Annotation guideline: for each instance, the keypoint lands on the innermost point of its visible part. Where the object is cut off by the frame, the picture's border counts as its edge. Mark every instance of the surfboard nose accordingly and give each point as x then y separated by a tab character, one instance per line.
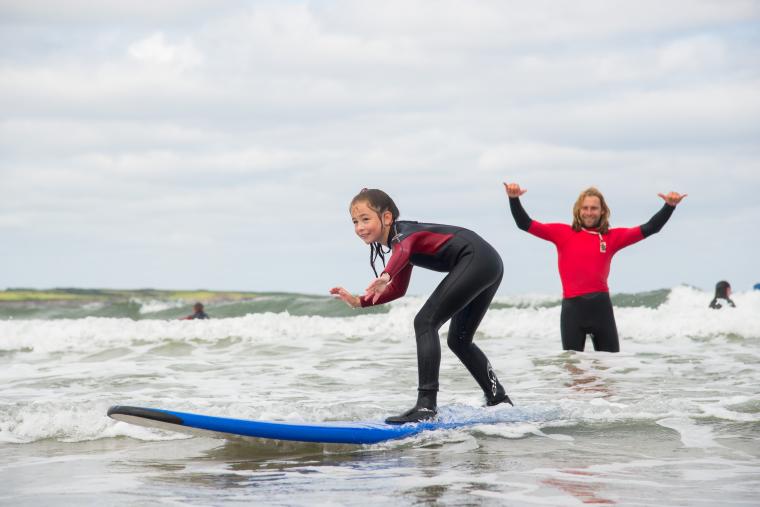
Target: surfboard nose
145	413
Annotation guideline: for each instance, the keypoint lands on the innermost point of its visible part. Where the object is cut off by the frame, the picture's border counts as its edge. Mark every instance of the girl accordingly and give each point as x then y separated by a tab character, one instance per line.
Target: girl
474	273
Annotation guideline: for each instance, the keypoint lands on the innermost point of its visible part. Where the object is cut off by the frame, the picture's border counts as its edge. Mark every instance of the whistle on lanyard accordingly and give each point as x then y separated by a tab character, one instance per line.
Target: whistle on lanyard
602	243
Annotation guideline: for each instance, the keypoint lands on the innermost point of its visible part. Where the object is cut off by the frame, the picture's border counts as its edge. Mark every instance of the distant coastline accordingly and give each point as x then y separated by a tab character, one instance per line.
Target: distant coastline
74	294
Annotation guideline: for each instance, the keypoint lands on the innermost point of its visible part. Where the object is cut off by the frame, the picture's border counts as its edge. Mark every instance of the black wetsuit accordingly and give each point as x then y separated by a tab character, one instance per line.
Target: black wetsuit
584	263
715	304
722	290
197	315
589	314
464	295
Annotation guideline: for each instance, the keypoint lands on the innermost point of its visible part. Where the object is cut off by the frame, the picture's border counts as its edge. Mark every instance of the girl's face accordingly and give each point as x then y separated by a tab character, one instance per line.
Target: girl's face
368	225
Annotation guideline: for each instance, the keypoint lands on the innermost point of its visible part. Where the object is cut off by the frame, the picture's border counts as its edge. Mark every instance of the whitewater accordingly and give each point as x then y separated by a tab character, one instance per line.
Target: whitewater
673	419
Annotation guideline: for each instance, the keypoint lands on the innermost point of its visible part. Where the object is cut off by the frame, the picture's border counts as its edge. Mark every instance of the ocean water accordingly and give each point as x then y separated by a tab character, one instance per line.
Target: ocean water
673	419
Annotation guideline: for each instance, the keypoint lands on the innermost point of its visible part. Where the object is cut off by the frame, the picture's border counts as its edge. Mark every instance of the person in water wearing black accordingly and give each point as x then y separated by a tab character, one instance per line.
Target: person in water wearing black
585	250
474	273
722	291
198	313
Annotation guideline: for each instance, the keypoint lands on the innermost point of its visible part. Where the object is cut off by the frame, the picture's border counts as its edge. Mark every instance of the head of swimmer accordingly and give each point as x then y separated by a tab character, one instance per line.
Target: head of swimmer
723	290
373	212
591	211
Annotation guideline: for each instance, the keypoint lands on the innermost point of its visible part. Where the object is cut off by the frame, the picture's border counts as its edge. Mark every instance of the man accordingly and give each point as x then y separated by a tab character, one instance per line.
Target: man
198	313
585	250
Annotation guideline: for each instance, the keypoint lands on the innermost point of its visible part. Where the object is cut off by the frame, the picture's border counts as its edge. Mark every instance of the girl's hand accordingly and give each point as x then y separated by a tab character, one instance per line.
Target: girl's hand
347	297
378	286
673	198
514	190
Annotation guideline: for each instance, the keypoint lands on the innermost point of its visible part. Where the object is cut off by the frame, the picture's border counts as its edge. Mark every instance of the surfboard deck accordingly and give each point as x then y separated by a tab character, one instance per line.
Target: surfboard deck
362	432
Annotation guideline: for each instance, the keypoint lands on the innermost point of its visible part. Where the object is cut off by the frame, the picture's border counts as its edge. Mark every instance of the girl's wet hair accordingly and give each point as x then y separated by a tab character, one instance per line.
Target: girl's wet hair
604	220
379	202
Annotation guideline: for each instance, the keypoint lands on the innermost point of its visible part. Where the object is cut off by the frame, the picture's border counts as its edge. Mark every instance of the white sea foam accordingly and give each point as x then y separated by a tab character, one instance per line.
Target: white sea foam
680	364
684	317
692	435
154	305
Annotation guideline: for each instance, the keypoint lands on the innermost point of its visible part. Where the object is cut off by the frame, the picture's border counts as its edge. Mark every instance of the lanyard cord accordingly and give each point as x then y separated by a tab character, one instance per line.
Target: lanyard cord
602	243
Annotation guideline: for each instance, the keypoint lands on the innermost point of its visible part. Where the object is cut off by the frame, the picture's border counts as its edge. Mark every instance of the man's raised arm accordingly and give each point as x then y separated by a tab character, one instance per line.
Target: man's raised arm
521	217
655	224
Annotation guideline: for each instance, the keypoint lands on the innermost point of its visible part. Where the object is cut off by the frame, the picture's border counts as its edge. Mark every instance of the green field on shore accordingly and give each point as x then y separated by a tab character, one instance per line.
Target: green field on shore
68	294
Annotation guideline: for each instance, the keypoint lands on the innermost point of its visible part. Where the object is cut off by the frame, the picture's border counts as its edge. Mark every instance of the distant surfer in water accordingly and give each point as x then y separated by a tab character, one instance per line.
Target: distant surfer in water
474	273
722	291
585	250
198	313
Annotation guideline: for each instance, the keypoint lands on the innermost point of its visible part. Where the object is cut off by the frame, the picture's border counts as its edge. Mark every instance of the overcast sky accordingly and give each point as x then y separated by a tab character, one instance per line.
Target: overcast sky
186	144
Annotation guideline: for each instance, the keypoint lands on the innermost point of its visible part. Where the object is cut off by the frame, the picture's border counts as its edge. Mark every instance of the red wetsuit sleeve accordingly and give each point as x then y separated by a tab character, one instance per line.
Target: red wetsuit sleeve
550	232
620	237
399	267
400	256
624	237
395	289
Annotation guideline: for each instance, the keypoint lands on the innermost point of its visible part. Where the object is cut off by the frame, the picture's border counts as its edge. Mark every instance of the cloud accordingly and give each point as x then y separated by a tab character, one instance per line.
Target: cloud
238	132
155	50
532	155
105	12
693	53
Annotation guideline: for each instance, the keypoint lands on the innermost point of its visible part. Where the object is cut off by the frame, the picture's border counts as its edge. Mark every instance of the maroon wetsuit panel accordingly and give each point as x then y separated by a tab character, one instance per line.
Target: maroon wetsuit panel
412	244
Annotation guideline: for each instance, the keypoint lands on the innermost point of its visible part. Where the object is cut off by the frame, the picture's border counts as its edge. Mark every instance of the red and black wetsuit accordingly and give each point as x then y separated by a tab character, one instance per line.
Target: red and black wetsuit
474	273
584	259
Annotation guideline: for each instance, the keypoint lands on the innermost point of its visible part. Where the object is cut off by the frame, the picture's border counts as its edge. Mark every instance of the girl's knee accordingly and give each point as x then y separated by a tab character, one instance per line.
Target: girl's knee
423	322
458	343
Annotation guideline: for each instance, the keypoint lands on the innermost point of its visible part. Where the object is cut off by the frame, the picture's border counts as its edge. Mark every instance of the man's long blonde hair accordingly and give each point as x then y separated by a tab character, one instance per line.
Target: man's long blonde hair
604	220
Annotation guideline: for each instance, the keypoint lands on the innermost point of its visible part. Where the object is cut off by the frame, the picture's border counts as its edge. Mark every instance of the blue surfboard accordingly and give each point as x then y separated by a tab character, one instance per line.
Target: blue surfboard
324	432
